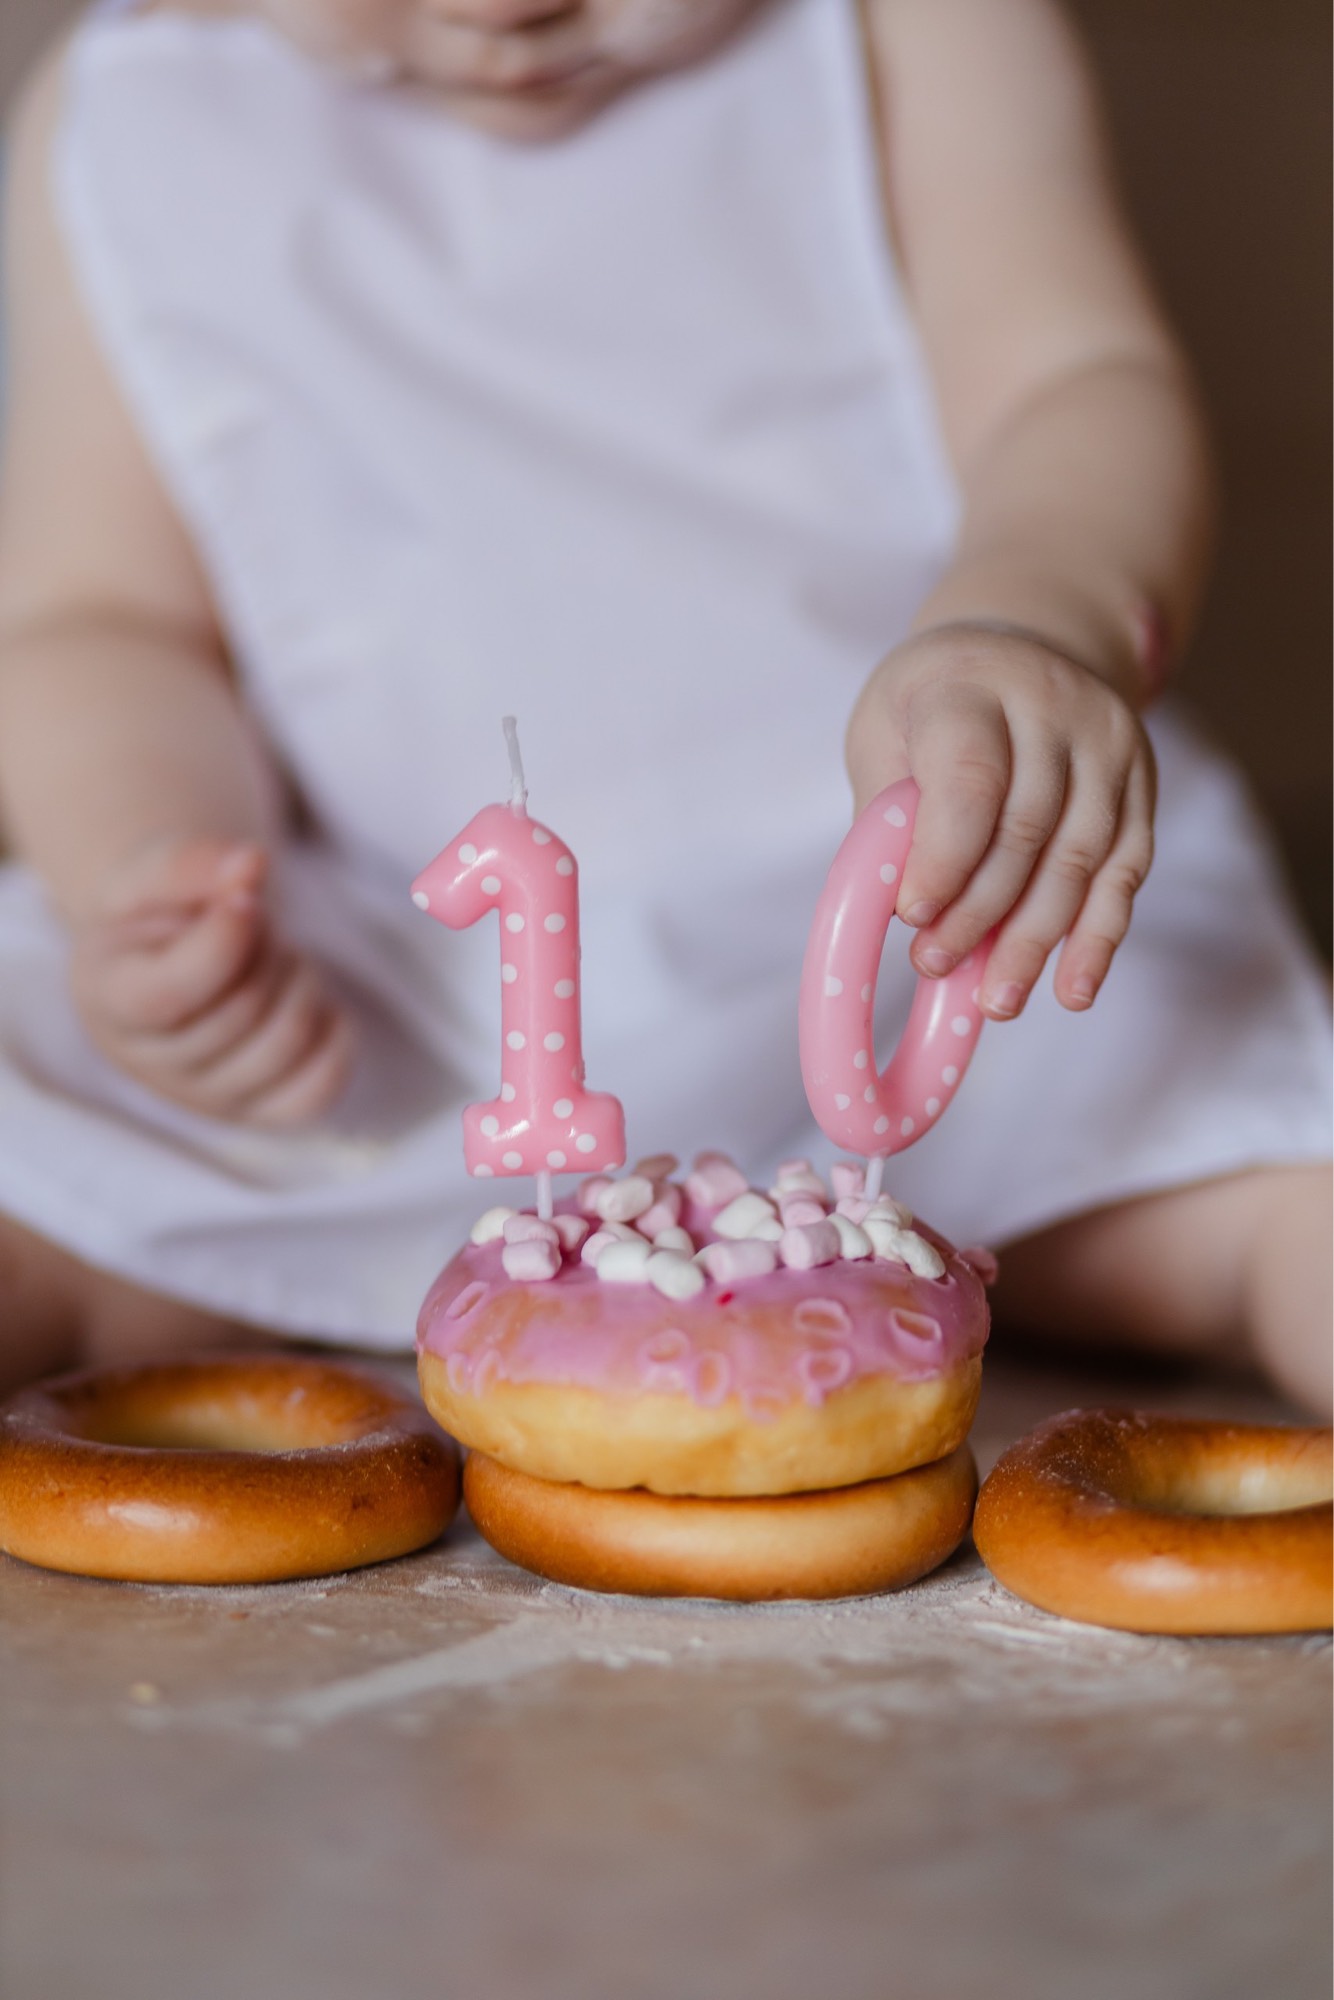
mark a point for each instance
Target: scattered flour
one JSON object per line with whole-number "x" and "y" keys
{"x": 862, "y": 1665}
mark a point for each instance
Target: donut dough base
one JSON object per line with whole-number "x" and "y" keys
{"x": 672, "y": 1445}
{"x": 1156, "y": 1524}
{"x": 876, "y": 1536}
{"x": 220, "y": 1470}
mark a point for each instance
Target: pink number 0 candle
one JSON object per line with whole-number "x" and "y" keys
{"x": 870, "y": 1111}
{"x": 544, "y": 1121}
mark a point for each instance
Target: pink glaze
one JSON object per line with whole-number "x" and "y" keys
{"x": 790, "y": 1336}
{"x": 544, "y": 1121}
{"x": 870, "y": 1112}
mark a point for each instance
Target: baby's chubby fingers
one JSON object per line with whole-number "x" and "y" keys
{"x": 998, "y": 818}
{"x": 1056, "y": 891}
{"x": 959, "y": 751}
{"x": 175, "y": 930}
{"x": 157, "y": 988}
{"x": 1024, "y": 758}
{"x": 208, "y": 1037}
{"x": 316, "y": 1083}
{"x": 295, "y": 1039}
{"x": 163, "y": 887}
{"x": 1100, "y": 850}
{"x": 183, "y": 984}
{"x": 1104, "y": 916}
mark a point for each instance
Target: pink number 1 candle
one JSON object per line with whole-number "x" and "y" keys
{"x": 544, "y": 1120}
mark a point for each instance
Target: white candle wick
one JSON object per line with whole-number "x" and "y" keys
{"x": 518, "y": 784}
{"x": 545, "y": 1205}
{"x": 875, "y": 1173}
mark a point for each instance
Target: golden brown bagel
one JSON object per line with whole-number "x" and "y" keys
{"x": 839, "y": 1543}
{"x": 1159, "y": 1524}
{"x": 221, "y": 1469}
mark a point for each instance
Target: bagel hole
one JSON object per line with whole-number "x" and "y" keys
{"x": 1237, "y": 1490}
{"x": 211, "y": 1423}
{"x": 201, "y": 1431}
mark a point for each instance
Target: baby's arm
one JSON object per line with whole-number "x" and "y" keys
{"x": 128, "y": 777}
{"x": 1071, "y": 422}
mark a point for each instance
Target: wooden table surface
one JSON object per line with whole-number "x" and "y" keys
{"x": 442, "y": 1776}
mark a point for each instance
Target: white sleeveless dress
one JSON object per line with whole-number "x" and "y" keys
{"x": 628, "y": 435}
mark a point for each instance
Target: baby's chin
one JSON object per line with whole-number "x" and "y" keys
{"x": 530, "y": 117}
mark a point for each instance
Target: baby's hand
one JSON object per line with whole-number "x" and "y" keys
{"x": 1036, "y": 812}
{"x": 181, "y": 983}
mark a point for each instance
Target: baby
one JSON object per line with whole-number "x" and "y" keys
{"x": 698, "y": 378}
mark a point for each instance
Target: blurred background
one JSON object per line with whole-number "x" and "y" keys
{"x": 1222, "y": 118}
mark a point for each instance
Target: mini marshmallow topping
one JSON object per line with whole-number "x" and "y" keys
{"x": 675, "y": 1276}
{"x": 665, "y": 1213}
{"x": 531, "y": 1261}
{"x": 796, "y": 1208}
{"x": 675, "y": 1238}
{"x": 589, "y": 1193}
{"x": 529, "y": 1228}
{"x": 808, "y": 1244}
{"x": 853, "y": 1242}
{"x": 490, "y": 1225}
{"x": 801, "y": 1180}
{"x": 715, "y": 1180}
{"x": 750, "y": 1214}
{"x": 732, "y": 1263}
{"x": 623, "y": 1263}
{"x": 633, "y": 1230}
{"x": 610, "y": 1232}
{"x": 623, "y": 1201}
{"x": 572, "y": 1230}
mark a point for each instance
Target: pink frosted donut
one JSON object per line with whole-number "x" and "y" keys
{"x": 792, "y": 1371}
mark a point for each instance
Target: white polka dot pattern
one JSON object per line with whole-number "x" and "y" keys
{"x": 837, "y": 1009}
{"x": 504, "y": 861}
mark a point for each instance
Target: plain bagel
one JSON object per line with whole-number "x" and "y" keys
{"x": 1160, "y": 1524}
{"x": 877, "y": 1536}
{"x": 222, "y": 1469}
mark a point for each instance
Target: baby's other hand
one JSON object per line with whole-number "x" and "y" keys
{"x": 182, "y": 984}
{"x": 1036, "y": 814}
